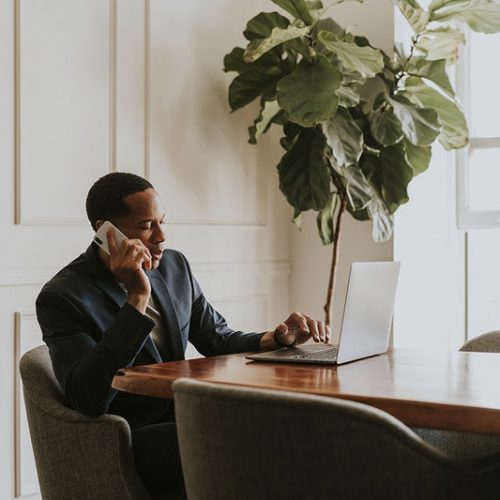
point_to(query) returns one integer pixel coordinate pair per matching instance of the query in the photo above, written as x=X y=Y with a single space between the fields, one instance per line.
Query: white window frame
x=468 y=218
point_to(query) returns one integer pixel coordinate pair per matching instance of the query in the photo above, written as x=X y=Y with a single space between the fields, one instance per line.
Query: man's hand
x=296 y=330
x=127 y=264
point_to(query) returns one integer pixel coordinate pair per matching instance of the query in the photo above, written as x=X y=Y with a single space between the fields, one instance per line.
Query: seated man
x=140 y=304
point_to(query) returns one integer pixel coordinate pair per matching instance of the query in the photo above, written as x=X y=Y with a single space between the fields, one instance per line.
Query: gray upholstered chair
x=250 y=444
x=465 y=444
x=77 y=458
x=487 y=342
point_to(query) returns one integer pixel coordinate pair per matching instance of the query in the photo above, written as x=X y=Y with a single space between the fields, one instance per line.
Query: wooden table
x=442 y=390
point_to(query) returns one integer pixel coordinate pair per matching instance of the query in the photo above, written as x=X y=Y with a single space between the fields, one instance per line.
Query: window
x=478 y=81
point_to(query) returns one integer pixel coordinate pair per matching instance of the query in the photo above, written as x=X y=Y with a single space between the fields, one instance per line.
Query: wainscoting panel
x=132 y=36
x=64 y=122
x=92 y=86
x=27 y=336
x=209 y=175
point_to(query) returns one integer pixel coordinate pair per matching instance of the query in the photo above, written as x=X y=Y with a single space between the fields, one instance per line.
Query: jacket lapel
x=150 y=346
x=162 y=297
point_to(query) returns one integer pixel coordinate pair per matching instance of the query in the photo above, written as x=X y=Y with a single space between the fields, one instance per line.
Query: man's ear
x=98 y=224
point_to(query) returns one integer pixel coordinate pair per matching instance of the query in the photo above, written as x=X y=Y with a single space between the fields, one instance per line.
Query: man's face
x=145 y=222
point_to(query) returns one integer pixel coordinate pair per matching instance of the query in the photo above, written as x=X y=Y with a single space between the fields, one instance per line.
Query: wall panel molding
x=26 y=482
x=196 y=147
x=112 y=86
x=147 y=86
x=26 y=276
x=255 y=267
x=250 y=313
x=19 y=217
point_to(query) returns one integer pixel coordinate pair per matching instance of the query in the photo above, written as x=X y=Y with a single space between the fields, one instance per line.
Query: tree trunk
x=331 y=284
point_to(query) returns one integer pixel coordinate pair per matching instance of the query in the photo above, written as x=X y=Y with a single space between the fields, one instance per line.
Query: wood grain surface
x=442 y=390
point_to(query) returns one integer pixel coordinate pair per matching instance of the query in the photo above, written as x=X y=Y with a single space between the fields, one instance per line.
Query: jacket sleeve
x=208 y=330
x=83 y=366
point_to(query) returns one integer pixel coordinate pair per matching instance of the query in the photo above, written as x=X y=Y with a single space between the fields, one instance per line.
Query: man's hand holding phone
x=127 y=262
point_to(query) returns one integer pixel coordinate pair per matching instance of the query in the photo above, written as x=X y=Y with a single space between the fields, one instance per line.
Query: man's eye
x=145 y=227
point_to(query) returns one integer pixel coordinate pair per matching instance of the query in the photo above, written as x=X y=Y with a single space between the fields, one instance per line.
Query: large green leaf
x=315 y=9
x=308 y=93
x=262 y=25
x=440 y=43
x=260 y=46
x=480 y=15
x=390 y=174
x=298 y=9
x=326 y=221
x=303 y=174
x=292 y=131
x=384 y=126
x=436 y=4
x=382 y=220
x=366 y=61
x=348 y=97
x=263 y=121
x=359 y=191
x=298 y=46
x=344 y=137
x=328 y=24
x=414 y=14
x=259 y=77
x=247 y=86
x=297 y=218
x=454 y=132
x=396 y=175
x=314 y=4
x=421 y=126
x=234 y=60
x=435 y=71
x=417 y=157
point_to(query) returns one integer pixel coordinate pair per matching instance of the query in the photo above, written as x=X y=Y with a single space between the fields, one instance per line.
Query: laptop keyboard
x=326 y=354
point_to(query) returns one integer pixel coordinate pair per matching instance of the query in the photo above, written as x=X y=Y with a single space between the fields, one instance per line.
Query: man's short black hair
x=105 y=197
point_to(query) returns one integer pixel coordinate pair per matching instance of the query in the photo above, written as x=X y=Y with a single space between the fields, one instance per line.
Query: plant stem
x=331 y=284
x=403 y=72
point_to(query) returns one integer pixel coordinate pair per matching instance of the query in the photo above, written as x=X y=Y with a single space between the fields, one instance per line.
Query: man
x=140 y=304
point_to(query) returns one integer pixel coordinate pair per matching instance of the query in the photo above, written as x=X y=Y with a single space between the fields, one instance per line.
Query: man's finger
x=111 y=241
x=313 y=328
x=282 y=328
x=143 y=258
x=322 y=331
x=139 y=245
x=301 y=320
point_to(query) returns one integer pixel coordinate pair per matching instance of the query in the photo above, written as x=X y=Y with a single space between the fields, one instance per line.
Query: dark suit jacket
x=91 y=332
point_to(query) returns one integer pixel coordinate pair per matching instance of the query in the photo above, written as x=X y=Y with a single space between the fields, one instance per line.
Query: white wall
x=92 y=86
x=310 y=259
x=430 y=305
x=431 y=302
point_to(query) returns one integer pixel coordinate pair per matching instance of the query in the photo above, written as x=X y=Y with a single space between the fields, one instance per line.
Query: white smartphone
x=102 y=240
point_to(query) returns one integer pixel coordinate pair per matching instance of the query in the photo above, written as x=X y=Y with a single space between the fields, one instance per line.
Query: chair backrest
x=487 y=342
x=76 y=456
x=251 y=444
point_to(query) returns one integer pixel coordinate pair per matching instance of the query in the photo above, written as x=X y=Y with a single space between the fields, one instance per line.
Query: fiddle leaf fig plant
x=358 y=123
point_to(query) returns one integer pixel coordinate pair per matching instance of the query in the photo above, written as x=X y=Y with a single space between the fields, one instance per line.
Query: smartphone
x=102 y=240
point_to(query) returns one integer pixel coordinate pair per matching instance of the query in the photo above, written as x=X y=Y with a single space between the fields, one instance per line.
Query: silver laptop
x=366 y=322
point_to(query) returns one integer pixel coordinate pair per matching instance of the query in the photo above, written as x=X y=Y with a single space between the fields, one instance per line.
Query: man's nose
x=158 y=234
